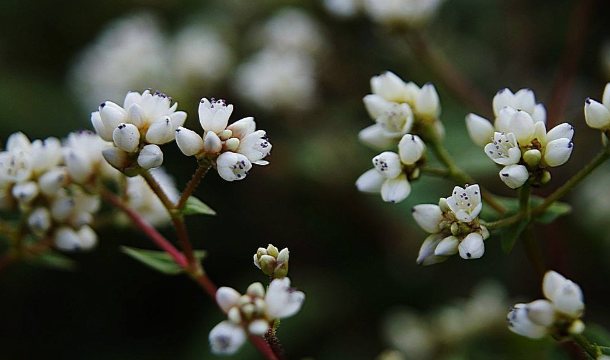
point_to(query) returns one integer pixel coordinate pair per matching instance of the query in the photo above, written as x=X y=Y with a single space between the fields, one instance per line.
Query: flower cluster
x=272 y=262
x=233 y=148
x=597 y=115
x=518 y=139
x=253 y=313
x=453 y=225
x=559 y=314
x=392 y=172
x=42 y=179
x=398 y=108
x=137 y=128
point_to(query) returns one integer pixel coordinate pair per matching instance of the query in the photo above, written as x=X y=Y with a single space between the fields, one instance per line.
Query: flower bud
x=232 y=144
x=103 y=131
x=39 y=221
x=189 y=142
x=135 y=115
x=25 y=192
x=514 y=176
x=51 y=181
x=258 y=327
x=519 y=323
x=481 y=131
x=256 y=290
x=87 y=237
x=448 y=246
x=428 y=217
x=388 y=164
x=532 y=157
x=541 y=312
x=411 y=148
x=427 y=102
x=606 y=96
x=212 y=143
x=214 y=115
x=161 y=132
x=272 y=262
x=558 y=152
x=241 y=128
x=234 y=315
x=389 y=86
x=232 y=166
x=597 y=115
x=577 y=327
x=564 y=130
x=67 y=239
x=426 y=254
x=150 y=157
x=227 y=297
x=111 y=115
x=126 y=137
x=472 y=247
x=226 y=134
x=375 y=137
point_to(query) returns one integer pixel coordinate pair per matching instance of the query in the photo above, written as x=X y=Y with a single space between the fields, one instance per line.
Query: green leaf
x=599 y=336
x=510 y=235
x=554 y=211
x=158 y=260
x=195 y=206
x=54 y=260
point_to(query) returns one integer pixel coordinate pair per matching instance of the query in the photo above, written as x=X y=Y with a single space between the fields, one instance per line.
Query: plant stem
x=444 y=70
x=192 y=184
x=177 y=220
x=460 y=176
x=524 y=201
x=590 y=349
x=197 y=275
x=572 y=182
x=147 y=229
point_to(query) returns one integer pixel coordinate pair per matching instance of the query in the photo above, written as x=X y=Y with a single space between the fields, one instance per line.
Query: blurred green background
x=352 y=254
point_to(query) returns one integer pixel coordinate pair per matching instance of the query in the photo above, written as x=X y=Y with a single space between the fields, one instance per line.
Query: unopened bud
x=532 y=157
x=272 y=262
x=232 y=144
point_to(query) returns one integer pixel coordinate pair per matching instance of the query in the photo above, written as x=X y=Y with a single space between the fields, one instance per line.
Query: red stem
x=263 y=347
x=150 y=231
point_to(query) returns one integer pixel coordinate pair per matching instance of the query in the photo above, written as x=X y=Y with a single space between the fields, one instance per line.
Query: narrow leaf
x=157 y=260
x=195 y=206
x=54 y=260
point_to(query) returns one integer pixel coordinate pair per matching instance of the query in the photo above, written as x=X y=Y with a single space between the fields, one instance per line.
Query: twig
x=192 y=185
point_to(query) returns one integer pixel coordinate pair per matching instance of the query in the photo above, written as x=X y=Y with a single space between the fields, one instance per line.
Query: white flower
x=189 y=142
x=342 y=8
x=233 y=166
x=597 y=115
x=560 y=312
x=503 y=149
x=465 y=203
x=68 y=239
x=411 y=148
x=514 y=176
x=281 y=300
x=394 y=119
x=427 y=102
x=226 y=298
x=83 y=157
x=426 y=254
x=255 y=146
x=481 y=131
x=226 y=338
x=472 y=247
x=150 y=157
x=214 y=115
x=412 y=13
x=292 y=29
x=428 y=217
x=386 y=178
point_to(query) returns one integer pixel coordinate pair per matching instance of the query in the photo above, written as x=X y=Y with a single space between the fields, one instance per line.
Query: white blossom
x=150 y=157
x=233 y=166
x=465 y=203
x=281 y=300
x=143 y=200
x=597 y=115
x=412 y=13
x=514 y=176
x=226 y=338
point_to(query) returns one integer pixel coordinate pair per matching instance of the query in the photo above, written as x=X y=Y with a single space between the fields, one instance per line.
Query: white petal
x=112 y=115
x=212 y=143
x=188 y=141
x=25 y=192
x=226 y=298
x=606 y=96
x=597 y=115
x=514 y=176
x=481 y=131
x=375 y=137
x=389 y=86
x=161 y=132
x=557 y=152
x=258 y=327
x=388 y=164
x=226 y=338
x=568 y=299
x=255 y=146
x=465 y=203
x=503 y=149
x=87 y=238
x=135 y=115
x=525 y=100
x=428 y=217
x=39 y=221
x=150 y=157
x=281 y=300
x=564 y=130
x=519 y=323
x=66 y=239
x=522 y=125
x=411 y=148
x=214 y=115
x=18 y=141
x=376 y=105
x=427 y=102
x=178 y=118
x=370 y=181
x=426 y=251
x=541 y=312
x=241 y=128
x=103 y=131
x=118 y=158
x=502 y=99
x=126 y=137
x=51 y=181
x=448 y=246
x=503 y=119
x=539 y=114
x=472 y=247
x=551 y=283
x=79 y=166
x=395 y=190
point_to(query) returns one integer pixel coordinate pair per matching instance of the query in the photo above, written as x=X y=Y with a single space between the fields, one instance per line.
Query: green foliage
x=195 y=206
x=158 y=260
x=54 y=260
x=510 y=234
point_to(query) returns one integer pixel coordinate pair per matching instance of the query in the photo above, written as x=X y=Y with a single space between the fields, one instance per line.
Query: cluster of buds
x=43 y=180
x=398 y=108
x=558 y=315
x=597 y=115
x=253 y=313
x=144 y=122
x=233 y=148
x=518 y=139
x=453 y=225
x=392 y=172
x=272 y=262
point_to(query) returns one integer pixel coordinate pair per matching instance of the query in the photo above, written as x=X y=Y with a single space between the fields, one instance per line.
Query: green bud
x=248 y=310
x=272 y=250
x=545 y=177
x=442 y=203
x=532 y=157
x=272 y=262
x=234 y=315
x=455 y=229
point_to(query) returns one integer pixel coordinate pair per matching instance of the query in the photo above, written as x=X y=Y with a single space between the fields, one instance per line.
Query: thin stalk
x=192 y=185
x=460 y=176
x=176 y=217
x=573 y=181
x=448 y=74
x=147 y=229
x=590 y=349
x=524 y=201
x=435 y=171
